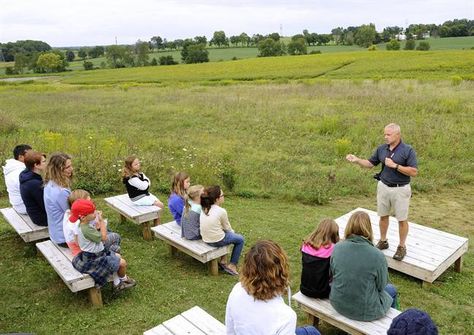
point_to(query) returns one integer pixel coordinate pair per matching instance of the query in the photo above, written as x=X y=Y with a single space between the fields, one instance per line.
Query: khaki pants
x=394 y=200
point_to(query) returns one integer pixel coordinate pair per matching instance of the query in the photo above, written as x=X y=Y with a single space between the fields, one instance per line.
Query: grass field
x=277 y=131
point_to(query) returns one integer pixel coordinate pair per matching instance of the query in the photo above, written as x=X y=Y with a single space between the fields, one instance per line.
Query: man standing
x=393 y=189
x=11 y=171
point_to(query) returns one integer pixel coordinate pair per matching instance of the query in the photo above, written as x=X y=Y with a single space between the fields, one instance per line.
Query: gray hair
x=394 y=127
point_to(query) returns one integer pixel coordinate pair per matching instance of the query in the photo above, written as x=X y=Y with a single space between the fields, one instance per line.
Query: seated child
x=70 y=228
x=94 y=258
x=137 y=184
x=191 y=213
x=316 y=254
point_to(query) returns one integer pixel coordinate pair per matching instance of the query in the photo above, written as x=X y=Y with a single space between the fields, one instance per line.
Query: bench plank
x=205 y=322
x=430 y=251
x=158 y=330
x=23 y=225
x=137 y=214
x=322 y=309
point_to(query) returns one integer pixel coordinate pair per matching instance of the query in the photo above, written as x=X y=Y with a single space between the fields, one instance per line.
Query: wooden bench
x=147 y=216
x=322 y=309
x=194 y=321
x=61 y=260
x=171 y=233
x=23 y=225
x=429 y=251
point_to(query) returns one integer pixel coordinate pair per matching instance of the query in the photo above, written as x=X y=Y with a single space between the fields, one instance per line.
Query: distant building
x=401 y=36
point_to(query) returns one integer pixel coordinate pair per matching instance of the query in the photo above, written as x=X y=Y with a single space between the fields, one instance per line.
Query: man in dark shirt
x=393 y=189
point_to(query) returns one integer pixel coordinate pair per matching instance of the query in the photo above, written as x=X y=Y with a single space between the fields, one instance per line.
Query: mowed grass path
x=346 y=65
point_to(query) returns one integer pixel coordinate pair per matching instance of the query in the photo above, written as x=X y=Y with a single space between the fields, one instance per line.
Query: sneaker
x=381 y=245
x=401 y=252
x=125 y=284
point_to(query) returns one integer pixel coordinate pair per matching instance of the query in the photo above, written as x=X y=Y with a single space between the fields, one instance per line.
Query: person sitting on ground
x=31 y=187
x=315 y=258
x=179 y=187
x=70 y=229
x=138 y=184
x=94 y=259
x=215 y=227
x=360 y=289
x=191 y=214
x=58 y=178
x=255 y=305
x=12 y=169
x=412 y=322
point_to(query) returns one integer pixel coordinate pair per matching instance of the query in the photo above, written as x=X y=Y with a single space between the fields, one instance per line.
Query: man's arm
x=361 y=162
x=406 y=170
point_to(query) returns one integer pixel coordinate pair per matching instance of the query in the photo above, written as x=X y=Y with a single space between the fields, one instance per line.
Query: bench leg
x=147 y=236
x=156 y=222
x=458 y=264
x=95 y=296
x=213 y=267
x=122 y=218
x=312 y=320
x=173 y=250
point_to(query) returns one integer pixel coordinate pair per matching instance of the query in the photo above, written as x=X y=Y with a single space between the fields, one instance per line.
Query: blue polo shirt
x=403 y=154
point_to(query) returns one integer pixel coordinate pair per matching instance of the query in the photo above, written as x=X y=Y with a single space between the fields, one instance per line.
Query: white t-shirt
x=70 y=229
x=247 y=316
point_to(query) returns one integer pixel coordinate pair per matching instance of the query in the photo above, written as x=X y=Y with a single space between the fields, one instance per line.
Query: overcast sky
x=99 y=22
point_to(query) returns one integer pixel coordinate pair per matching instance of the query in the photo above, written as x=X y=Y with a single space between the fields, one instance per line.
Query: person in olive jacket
x=31 y=187
x=360 y=289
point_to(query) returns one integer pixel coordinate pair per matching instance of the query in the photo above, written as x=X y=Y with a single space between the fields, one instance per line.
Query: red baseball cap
x=81 y=208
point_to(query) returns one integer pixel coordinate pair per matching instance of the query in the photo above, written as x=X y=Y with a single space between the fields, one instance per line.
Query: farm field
x=274 y=132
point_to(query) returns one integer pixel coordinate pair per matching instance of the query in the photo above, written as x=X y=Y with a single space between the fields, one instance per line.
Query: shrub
x=7 y=124
x=297 y=47
x=373 y=47
x=410 y=44
x=153 y=62
x=393 y=45
x=269 y=47
x=88 y=65
x=423 y=46
x=315 y=52
x=167 y=60
x=9 y=70
x=456 y=80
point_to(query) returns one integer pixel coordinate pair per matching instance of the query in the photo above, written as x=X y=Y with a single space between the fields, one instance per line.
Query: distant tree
x=337 y=35
x=234 y=40
x=82 y=53
x=194 y=53
x=269 y=47
x=70 y=55
x=393 y=45
x=96 y=51
x=274 y=36
x=256 y=38
x=49 y=62
x=167 y=60
x=22 y=61
x=423 y=46
x=119 y=56
x=201 y=40
x=153 y=62
x=365 y=35
x=88 y=65
x=410 y=44
x=297 y=47
x=141 y=50
x=179 y=43
x=27 y=47
x=244 y=39
x=219 y=39
x=297 y=36
x=390 y=33
x=323 y=39
x=157 y=41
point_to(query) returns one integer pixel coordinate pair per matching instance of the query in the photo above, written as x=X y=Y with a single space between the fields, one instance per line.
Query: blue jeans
x=392 y=290
x=307 y=330
x=231 y=238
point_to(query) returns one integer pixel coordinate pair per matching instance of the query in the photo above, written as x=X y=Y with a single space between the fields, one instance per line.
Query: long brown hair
x=177 y=185
x=265 y=271
x=127 y=166
x=55 y=170
x=193 y=192
x=326 y=232
x=359 y=224
x=209 y=197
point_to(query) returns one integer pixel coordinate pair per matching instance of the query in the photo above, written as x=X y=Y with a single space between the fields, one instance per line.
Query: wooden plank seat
x=61 y=260
x=194 y=321
x=171 y=233
x=147 y=216
x=23 y=225
x=321 y=309
x=429 y=251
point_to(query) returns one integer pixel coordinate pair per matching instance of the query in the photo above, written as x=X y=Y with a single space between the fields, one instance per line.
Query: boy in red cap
x=94 y=258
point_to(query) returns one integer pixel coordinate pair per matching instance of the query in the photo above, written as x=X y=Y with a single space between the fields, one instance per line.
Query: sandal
x=229 y=270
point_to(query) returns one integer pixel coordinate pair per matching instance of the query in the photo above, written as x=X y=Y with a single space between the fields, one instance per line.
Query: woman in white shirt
x=255 y=305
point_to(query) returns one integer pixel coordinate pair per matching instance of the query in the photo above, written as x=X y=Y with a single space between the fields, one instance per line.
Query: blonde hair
x=192 y=193
x=265 y=271
x=359 y=224
x=127 y=166
x=178 y=184
x=326 y=232
x=55 y=170
x=77 y=194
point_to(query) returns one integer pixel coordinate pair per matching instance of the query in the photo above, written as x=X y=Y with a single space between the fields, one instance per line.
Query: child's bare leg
x=158 y=203
x=122 y=271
